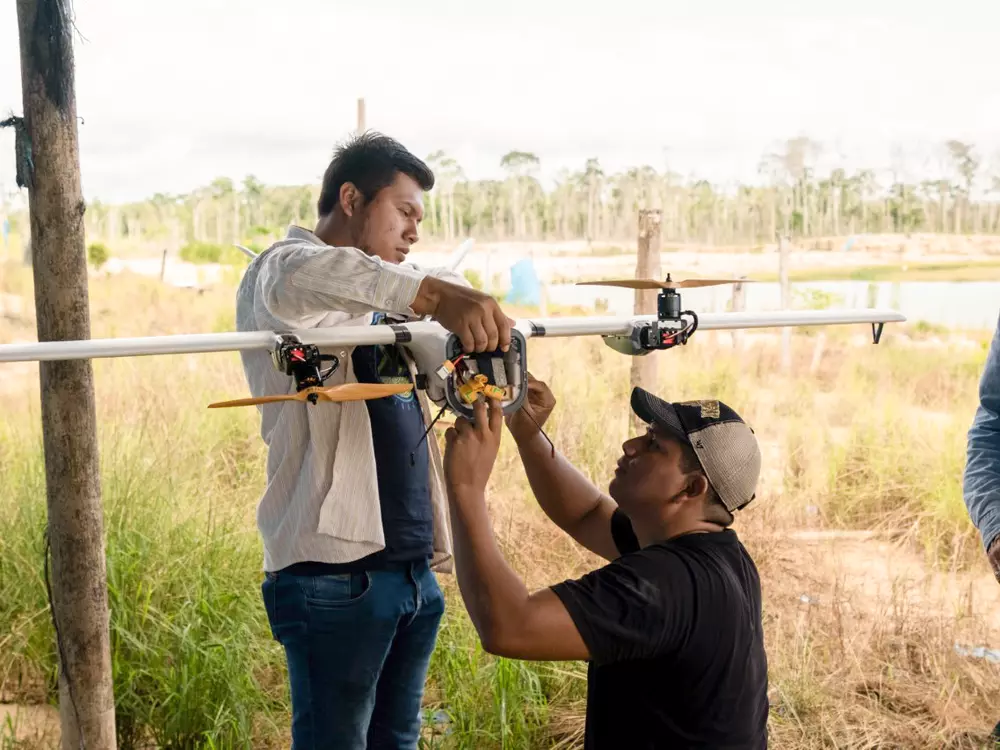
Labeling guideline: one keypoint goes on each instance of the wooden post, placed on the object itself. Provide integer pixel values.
(644, 371)
(739, 304)
(72, 478)
(361, 115)
(163, 265)
(786, 303)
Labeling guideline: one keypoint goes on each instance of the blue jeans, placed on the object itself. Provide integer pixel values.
(357, 647)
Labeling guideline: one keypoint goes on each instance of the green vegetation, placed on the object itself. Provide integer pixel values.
(97, 255)
(474, 278)
(873, 438)
(957, 271)
(205, 252)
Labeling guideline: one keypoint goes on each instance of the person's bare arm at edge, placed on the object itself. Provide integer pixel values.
(510, 621)
(568, 498)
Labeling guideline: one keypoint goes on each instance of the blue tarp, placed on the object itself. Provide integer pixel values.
(525, 288)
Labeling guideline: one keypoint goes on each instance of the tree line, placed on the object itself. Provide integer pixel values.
(791, 198)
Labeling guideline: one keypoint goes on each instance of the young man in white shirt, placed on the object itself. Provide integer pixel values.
(352, 526)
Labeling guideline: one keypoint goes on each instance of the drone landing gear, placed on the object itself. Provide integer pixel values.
(303, 362)
(877, 332)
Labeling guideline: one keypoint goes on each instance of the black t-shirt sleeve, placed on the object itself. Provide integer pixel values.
(637, 607)
(622, 533)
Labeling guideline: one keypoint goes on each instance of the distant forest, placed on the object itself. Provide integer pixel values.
(591, 204)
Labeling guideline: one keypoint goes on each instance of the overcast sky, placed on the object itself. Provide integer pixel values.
(176, 93)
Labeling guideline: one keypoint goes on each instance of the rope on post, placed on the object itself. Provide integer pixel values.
(23, 163)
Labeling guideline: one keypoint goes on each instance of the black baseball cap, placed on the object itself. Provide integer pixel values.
(725, 445)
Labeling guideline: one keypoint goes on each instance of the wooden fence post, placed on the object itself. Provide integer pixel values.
(739, 304)
(786, 303)
(69, 424)
(644, 370)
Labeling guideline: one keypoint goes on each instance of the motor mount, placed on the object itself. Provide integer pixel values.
(303, 362)
(671, 328)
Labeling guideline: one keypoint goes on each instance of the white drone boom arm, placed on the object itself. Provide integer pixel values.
(414, 332)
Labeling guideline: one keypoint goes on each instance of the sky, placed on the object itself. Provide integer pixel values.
(172, 95)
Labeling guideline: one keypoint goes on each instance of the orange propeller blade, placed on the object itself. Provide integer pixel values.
(627, 283)
(361, 391)
(333, 393)
(653, 284)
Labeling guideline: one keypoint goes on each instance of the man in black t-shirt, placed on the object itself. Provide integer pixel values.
(671, 625)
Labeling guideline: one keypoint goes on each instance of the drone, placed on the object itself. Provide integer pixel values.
(451, 377)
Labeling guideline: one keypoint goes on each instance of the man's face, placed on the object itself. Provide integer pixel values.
(387, 226)
(649, 472)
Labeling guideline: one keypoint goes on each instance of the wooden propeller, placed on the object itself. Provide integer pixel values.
(345, 392)
(654, 284)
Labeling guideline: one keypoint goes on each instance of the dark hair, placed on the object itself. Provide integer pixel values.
(370, 161)
(714, 508)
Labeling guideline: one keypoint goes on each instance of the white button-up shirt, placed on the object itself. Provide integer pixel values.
(321, 502)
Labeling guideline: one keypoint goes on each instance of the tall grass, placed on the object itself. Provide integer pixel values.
(874, 438)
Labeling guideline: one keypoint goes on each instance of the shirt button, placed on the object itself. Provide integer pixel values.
(390, 301)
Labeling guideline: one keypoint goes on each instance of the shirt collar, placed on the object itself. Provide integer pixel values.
(299, 233)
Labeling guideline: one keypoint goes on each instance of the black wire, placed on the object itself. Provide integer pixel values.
(413, 453)
(532, 418)
(63, 664)
(694, 323)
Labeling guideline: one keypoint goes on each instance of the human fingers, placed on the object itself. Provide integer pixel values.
(504, 324)
(479, 336)
(496, 416)
(492, 333)
(480, 414)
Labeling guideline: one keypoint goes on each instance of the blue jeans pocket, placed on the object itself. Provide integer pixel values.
(336, 591)
(267, 593)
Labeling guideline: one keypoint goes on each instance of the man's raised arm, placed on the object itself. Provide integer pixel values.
(568, 498)
(300, 283)
(981, 483)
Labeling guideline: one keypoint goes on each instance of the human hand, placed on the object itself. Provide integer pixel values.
(474, 317)
(527, 421)
(471, 447)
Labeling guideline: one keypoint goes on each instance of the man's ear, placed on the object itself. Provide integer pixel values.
(697, 484)
(351, 199)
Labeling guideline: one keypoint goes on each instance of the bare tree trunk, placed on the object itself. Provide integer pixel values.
(69, 425)
(451, 213)
(432, 214)
(643, 372)
(836, 211)
(804, 197)
(786, 302)
(591, 191)
(236, 215)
